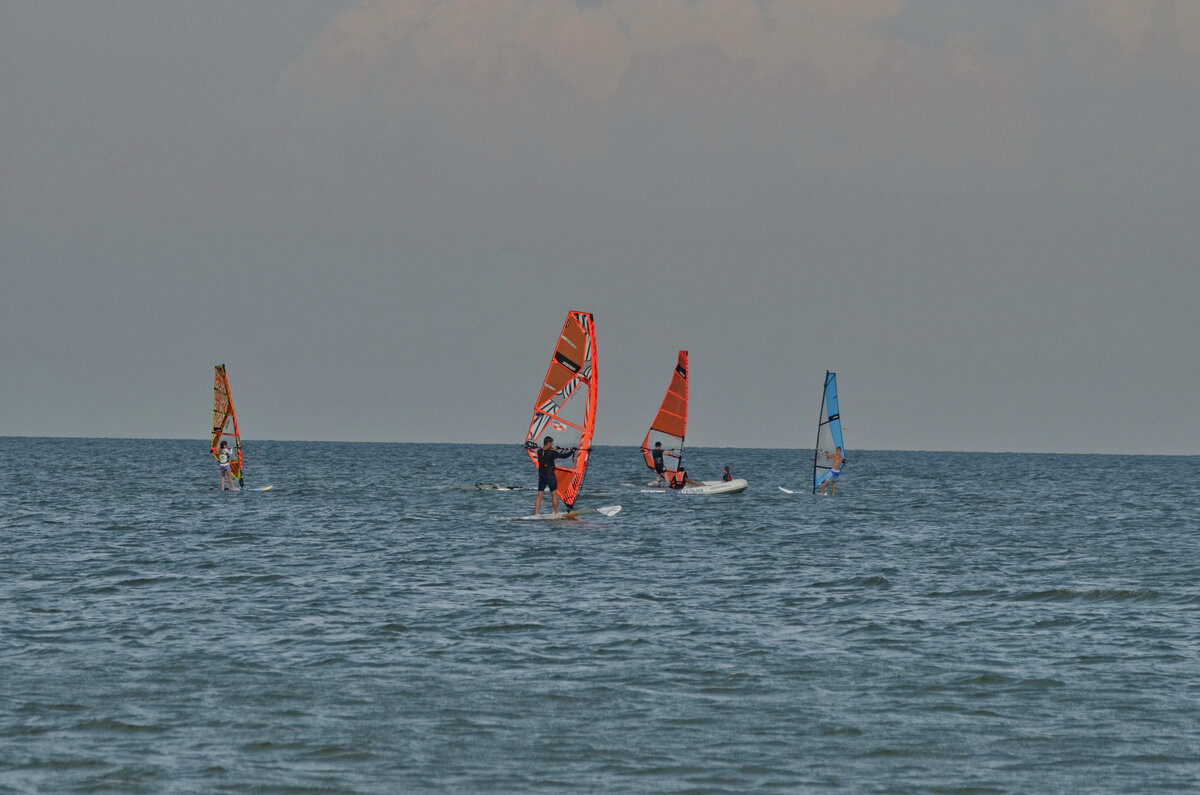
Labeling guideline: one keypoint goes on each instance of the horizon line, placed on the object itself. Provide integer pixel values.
(519, 444)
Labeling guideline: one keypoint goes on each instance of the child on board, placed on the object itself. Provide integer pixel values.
(681, 479)
(224, 458)
(725, 476)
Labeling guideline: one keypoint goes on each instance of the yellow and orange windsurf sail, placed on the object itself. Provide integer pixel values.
(670, 424)
(224, 422)
(566, 403)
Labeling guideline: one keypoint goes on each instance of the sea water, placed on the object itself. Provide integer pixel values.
(948, 622)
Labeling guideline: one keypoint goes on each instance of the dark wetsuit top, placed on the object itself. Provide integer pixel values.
(547, 479)
(727, 477)
(657, 454)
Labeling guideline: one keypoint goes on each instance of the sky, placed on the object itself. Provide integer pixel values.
(376, 214)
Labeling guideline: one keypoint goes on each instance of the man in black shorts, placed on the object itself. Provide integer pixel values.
(660, 469)
(547, 479)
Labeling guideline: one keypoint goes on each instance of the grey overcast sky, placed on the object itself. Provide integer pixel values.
(983, 215)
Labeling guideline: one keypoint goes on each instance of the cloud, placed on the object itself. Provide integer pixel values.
(1114, 38)
(591, 48)
(796, 73)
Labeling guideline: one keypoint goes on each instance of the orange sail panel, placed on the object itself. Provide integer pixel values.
(224, 422)
(566, 403)
(670, 424)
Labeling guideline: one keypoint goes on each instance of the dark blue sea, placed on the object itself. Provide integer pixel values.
(949, 622)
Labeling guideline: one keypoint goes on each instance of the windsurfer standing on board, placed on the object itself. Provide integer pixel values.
(660, 469)
(831, 477)
(223, 456)
(547, 479)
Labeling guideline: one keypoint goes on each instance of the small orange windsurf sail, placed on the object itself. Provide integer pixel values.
(566, 403)
(670, 424)
(225, 422)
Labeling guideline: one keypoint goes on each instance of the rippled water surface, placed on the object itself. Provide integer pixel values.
(948, 622)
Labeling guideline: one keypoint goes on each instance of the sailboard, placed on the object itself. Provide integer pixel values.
(829, 431)
(670, 423)
(225, 424)
(566, 404)
(603, 510)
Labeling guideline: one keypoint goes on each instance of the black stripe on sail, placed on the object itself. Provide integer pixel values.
(833, 417)
(680, 369)
(565, 362)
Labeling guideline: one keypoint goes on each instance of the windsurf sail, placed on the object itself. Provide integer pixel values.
(829, 431)
(670, 423)
(225, 423)
(566, 404)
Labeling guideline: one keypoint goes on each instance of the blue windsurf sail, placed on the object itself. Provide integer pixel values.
(829, 432)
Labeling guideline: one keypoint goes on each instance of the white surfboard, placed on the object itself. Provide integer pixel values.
(604, 510)
(789, 491)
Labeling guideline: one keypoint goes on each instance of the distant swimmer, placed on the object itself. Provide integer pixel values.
(831, 477)
(725, 476)
(224, 456)
(681, 479)
(660, 469)
(547, 478)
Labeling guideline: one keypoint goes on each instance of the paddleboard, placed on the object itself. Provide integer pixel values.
(497, 487)
(261, 488)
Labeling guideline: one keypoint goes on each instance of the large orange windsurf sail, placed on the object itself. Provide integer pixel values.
(566, 403)
(670, 424)
(224, 422)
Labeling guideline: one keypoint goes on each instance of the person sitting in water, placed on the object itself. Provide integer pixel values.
(831, 477)
(725, 476)
(681, 480)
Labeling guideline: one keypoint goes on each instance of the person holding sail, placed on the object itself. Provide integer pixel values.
(660, 469)
(831, 477)
(224, 454)
(547, 478)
